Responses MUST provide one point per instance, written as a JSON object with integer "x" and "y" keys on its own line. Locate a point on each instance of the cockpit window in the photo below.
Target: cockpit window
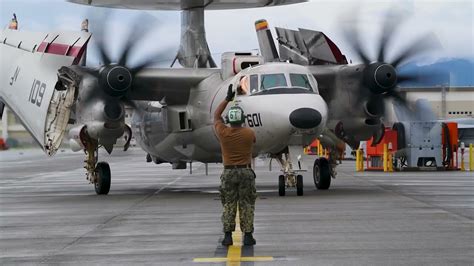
{"x": 270, "y": 81}
{"x": 253, "y": 83}
{"x": 301, "y": 81}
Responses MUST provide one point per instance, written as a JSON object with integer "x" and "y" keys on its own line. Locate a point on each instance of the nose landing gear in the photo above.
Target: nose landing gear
{"x": 290, "y": 177}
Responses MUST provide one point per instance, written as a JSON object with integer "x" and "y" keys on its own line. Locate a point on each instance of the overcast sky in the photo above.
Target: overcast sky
{"x": 452, "y": 21}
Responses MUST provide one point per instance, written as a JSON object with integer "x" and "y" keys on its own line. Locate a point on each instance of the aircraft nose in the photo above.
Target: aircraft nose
{"x": 305, "y": 118}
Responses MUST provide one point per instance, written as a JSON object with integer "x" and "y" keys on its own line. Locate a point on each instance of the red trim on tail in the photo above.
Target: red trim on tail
{"x": 56, "y": 48}
{"x": 63, "y": 49}
{"x": 79, "y": 54}
{"x": 42, "y": 47}
{"x": 340, "y": 58}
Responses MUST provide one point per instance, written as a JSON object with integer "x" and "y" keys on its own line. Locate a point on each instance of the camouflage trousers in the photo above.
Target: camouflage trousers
{"x": 238, "y": 189}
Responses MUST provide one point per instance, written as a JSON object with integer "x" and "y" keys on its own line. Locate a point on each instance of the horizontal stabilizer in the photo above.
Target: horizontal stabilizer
{"x": 308, "y": 47}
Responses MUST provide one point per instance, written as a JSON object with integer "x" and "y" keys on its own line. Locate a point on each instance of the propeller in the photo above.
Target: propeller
{"x": 116, "y": 75}
{"x": 382, "y": 76}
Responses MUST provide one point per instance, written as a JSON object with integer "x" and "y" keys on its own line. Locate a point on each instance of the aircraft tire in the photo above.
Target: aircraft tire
{"x": 102, "y": 186}
{"x": 281, "y": 185}
{"x": 299, "y": 185}
{"x": 321, "y": 174}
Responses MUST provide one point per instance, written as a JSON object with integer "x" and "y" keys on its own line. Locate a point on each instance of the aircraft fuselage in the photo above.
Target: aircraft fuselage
{"x": 182, "y": 133}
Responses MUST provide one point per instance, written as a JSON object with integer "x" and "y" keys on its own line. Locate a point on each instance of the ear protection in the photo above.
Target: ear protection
{"x": 235, "y": 116}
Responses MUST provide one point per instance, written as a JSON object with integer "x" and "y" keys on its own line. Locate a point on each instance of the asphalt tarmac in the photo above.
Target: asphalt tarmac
{"x": 49, "y": 214}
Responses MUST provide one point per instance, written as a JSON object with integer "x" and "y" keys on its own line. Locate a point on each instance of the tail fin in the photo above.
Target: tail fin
{"x": 265, "y": 41}
{"x": 84, "y": 28}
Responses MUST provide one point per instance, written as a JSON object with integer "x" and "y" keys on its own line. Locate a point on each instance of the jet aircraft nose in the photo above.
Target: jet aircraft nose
{"x": 305, "y": 118}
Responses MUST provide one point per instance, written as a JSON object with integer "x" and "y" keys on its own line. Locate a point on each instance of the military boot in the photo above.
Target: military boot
{"x": 249, "y": 240}
{"x": 227, "y": 241}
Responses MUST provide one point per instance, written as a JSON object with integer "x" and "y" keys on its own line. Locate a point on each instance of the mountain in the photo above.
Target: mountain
{"x": 437, "y": 73}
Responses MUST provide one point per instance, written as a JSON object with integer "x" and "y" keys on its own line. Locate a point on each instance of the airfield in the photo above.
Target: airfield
{"x": 49, "y": 214}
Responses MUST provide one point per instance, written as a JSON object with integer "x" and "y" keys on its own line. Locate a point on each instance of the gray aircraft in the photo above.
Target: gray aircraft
{"x": 284, "y": 95}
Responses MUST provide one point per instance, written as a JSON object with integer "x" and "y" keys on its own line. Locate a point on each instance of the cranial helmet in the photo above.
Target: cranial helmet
{"x": 236, "y": 115}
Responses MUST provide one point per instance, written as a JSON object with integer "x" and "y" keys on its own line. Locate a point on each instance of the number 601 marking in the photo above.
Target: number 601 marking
{"x": 37, "y": 92}
{"x": 254, "y": 120}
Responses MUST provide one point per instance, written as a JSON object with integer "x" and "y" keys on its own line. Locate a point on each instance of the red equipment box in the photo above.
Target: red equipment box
{"x": 450, "y": 136}
{"x": 375, "y": 152}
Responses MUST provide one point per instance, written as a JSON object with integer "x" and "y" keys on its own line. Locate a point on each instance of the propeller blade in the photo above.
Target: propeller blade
{"x": 425, "y": 77}
{"x": 134, "y": 105}
{"x": 105, "y": 59}
{"x": 142, "y": 26}
{"x": 159, "y": 57}
{"x": 353, "y": 39}
{"x": 397, "y": 97}
{"x": 421, "y": 45}
{"x": 97, "y": 25}
{"x": 390, "y": 26}
{"x": 407, "y": 78}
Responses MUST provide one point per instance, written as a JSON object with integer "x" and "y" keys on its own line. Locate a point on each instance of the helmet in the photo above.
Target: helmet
{"x": 236, "y": 116}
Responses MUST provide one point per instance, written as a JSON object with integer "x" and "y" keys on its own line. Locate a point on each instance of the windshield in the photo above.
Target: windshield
{"x": 270, "y": 81}
{"x": 301, "y": 81}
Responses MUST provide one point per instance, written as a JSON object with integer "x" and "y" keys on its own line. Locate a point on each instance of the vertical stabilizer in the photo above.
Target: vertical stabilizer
{"x": 84, "y": 28}
{"x": 265, "y": 41}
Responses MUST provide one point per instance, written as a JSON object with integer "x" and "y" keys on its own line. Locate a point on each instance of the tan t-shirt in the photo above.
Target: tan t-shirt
{"x": 236, "y": 143}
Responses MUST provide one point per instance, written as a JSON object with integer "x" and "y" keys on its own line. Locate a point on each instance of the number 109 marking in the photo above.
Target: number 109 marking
{"x": 37, "y": 92}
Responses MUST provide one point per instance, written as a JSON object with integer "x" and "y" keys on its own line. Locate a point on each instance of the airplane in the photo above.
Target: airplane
{"x": 307, "y": 91}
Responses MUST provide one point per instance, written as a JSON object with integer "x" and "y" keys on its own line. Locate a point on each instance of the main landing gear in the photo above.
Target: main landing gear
{"x": 98, "y": 173}
{"x": 323, "y": 170}
{"x": 322, "y": 173}
{"x": 290, "y": 178}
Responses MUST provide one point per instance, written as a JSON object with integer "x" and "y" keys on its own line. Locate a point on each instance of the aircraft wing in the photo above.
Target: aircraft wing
{"x": 154, "y": 84}
{"x": 185, "y": 4}
{"x": 28, "y": 74}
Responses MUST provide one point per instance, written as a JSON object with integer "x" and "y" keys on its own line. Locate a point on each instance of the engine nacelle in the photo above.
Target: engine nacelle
{"x": 78, "y": 138}
{"x": 356, "y": 130}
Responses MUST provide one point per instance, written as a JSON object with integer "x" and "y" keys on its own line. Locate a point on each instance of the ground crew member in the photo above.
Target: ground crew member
{"x": 238, "y": 179}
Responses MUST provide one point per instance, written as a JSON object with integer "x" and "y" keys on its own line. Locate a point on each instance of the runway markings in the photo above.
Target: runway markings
{"x": 234, "y": 252}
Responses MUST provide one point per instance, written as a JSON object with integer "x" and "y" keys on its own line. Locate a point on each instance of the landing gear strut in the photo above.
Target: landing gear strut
{"x": 97, "y": 173}
{"x": 290, "y": 177}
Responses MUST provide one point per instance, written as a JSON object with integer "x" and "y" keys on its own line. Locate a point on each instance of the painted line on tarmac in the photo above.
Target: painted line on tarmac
{"x": 234, "y": 252}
